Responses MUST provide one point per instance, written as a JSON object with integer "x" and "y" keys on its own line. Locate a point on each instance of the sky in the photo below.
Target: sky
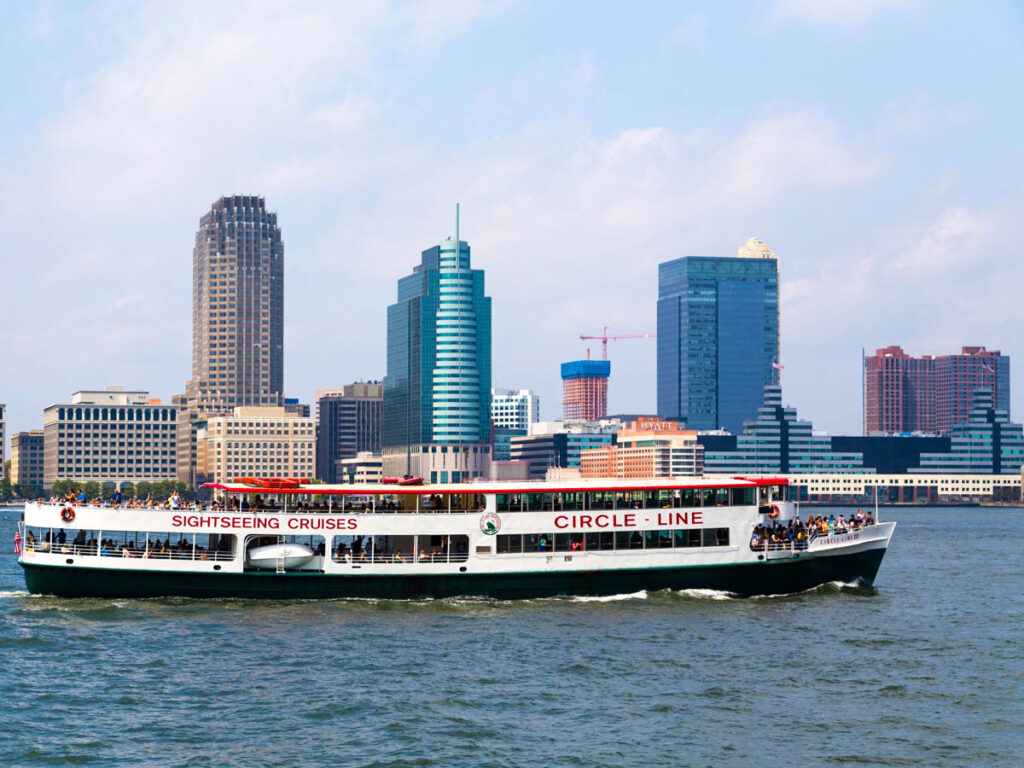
{"x": 874, "y": 145}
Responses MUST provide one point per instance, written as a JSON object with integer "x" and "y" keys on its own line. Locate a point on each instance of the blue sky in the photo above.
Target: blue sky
{"x": 874, "y": 145}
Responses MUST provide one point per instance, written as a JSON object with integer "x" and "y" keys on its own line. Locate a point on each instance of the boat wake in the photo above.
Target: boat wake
{"x": 706, "y": 594}
{"x": 641, "y": 595}
{"x": 828, "y": 588}
{"x": 14, "y": 593}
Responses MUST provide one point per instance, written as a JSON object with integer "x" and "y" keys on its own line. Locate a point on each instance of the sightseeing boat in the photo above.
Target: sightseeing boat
{"x": 284, "y": 539}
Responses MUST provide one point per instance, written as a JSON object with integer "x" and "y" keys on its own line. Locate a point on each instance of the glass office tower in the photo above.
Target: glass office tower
{"x": 438, "y": 384}
{"x": 718, "y": 337}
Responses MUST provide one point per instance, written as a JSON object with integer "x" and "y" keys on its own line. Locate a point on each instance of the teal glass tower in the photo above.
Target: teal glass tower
{"x": 438, "y": 384}
{"x": 718, "y": 337}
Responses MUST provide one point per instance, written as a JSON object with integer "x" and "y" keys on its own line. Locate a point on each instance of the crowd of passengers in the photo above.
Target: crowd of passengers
{"x": 56, "y": 541}
{"x": 174, "y": 501}
{"x": 797, "y": 534}
{"x": 360, "y": 551}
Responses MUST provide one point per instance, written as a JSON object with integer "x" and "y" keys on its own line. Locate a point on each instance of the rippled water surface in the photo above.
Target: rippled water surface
{"x": 925, "y": 669}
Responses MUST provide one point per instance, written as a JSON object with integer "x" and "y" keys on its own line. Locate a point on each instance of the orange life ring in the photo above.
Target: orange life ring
{"x": 67, "y": 514}
{"x": 775, "y": 511}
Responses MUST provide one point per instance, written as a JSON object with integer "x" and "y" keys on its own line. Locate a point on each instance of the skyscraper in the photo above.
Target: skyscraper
{"x": 237, "y": 307}
{"x": 718, "y": 336}
{"x": 348, "y": 423}
{"x": 237, "y": 315}
{"x": 436, "y": 414}
{"x": 930, "y": 394}
{"x": 585, "y": 389}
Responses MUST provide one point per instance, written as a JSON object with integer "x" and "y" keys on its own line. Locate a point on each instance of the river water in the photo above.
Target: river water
{"x": 927, "y": 668}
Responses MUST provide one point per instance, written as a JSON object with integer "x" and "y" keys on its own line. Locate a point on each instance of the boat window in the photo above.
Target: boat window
{"x": 510, "y": 543}
{"x": 687, "y": 497}
{"x": 568, "y": 542}
{"x": 721, "y": 497}
{"x": 741, "y": 496}
{"x": 405, "y": 549}
{"x": 538, "y": 542}
{"x": 707, "y": 497}
{"x": 534, "y": 502}
{"x": 629, "y": 540}
{"x": 158, "y": 545}
{"x": 716, "y": 537}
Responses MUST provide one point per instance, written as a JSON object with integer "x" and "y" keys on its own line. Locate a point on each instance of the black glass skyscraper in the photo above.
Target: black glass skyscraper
{"x": 718, "y": 337}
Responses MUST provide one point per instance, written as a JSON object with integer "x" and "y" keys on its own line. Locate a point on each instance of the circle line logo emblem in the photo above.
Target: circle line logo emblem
{"x": 490, "y": 523}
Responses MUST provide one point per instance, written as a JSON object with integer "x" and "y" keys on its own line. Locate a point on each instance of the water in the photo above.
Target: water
{"x": 926, "y": 669}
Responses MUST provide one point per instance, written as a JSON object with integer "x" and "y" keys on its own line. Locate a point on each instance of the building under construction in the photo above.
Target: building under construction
{"x": 585, "y": 389}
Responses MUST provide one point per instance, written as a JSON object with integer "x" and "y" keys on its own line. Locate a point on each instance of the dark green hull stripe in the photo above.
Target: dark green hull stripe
{"x": 750, "y": 579}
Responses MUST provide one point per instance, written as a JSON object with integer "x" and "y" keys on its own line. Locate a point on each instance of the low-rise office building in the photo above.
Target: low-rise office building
{"x": 256, "y": 441}
{"x": 561, "y": 443}
{"x": 110, "y": 436}
{"x": 648, "y": 447}
{"x": 365, "y": 467}
{"x": 3, "y": 438}
{"x": 864, "y": 489}
{"x": 439, "y": 463}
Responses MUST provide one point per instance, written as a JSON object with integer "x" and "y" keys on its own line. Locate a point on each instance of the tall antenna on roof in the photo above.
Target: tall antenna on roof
{"x": 457, "y": 247}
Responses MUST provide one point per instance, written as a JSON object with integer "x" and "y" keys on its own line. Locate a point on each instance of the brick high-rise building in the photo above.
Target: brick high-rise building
{"x": 585, "y": 389}
{"x": 930, "y": 394}
{"x": 237, "y": 316}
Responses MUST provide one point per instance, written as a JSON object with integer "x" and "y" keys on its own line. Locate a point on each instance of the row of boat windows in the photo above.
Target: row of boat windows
{"x": 687, "y": 538}
{"x": 683, "y": 497}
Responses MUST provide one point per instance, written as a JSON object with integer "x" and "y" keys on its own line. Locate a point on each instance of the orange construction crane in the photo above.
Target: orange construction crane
{"x": 605, "y": 336}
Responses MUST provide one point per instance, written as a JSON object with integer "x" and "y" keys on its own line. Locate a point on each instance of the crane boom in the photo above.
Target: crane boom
{"x": 605, "y": 336}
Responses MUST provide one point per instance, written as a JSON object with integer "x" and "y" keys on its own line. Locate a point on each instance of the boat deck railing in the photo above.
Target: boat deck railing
{"x": 798, "y": 545}
{"x": 373, "y": 558}
{"x": 93, "y": 550}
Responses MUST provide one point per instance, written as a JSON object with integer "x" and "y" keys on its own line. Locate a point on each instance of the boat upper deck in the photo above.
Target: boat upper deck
{"x": 290, "y": 486}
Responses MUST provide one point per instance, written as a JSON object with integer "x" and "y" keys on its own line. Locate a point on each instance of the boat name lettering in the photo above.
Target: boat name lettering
{"x": 627, "y": 520}
{"x": 675, "y": 519}
{"x": 265, "y": 523}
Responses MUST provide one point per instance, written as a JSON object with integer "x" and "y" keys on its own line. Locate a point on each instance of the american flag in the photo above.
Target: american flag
{"x": 17, "y": 542}
{"x": 988, "y": 367}
{"x": 777, "y": 365}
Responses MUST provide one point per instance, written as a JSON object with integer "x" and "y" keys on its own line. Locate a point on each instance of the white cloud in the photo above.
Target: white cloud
{"x": 954, "y": 241}
{"x": 850, "y": 14}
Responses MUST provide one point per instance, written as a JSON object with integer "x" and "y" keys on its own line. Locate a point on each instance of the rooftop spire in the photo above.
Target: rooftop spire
{"x": 457, "y": 246}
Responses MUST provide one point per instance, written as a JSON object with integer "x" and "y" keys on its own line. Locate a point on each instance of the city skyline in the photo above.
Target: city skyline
{"x": 584, "y": 155}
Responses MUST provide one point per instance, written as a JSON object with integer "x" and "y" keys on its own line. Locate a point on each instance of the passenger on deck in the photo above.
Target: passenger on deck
{"x": 424, "y": 557}
{"x": 398, "y": 556}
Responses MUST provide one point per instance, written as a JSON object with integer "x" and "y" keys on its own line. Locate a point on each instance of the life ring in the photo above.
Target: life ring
{"x": 67, "y": 514}
{"x": 775, "y": 511}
